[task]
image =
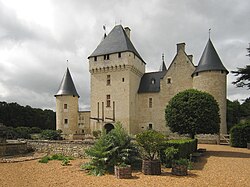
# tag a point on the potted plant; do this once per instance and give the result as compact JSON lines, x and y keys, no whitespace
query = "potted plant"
{"x":179,"y":167}
{"x":150,"y":143}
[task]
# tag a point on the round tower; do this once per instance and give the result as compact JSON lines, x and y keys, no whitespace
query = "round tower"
{"x":211,"y":76}
{"x":67,"y":107}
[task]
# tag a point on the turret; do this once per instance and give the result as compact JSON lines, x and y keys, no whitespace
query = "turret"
{"x":67,"y":106}
{"x":211,"y":76}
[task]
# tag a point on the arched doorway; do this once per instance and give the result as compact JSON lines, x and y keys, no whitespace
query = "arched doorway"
{"x":108,"y":127}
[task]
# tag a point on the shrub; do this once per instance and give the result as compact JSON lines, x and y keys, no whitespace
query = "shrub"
{"x":22,"y":132}
{"x":50,"y":135}
{"x":181,"y":162}
{"x":240,"y":135}
{"x":170,"y":154}
{"x":35,"y":130}
{"x":193,"y":112}
{"x":44,"y":159}
{"x":97,"y":133}
{"x":150,"y":142}
{"x":185,"y":147}
{"x":110,"y":149}
{"x":64,"y":159}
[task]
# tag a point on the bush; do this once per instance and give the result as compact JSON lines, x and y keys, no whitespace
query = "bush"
{"x":150,"y":142}
{"x":171,"y":154}
{"x":240,"y":135}
{"x":97,"y":133}
{"x":185,"y":147}
{"x":193,"y":112}
{"x":22,"y":132}
{"x":110,"y":149}
{"x":35,"y":130}
{"x":51,"y":135}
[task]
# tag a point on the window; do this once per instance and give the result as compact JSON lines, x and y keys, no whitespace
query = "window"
{"x":196,"y":74}
{"x":150,"y":126}
{"x":65,"y":106}
{"x":119,"y":55}
{"x":150,"y":102}
{"x":222,"y":71}
{"x":95,"y":58}
{"x":106,"y":57}
{"x":169,"y":80}
{"x":108,"y":80}
{"x":108,"y":101}
{"x":123,"y":79}
{"x":66,"y":121}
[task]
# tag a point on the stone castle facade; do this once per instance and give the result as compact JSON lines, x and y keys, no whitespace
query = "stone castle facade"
{"x":122,"y":91}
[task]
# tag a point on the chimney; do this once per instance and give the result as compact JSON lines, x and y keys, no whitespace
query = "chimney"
{"x":190,"y":57}
{"x":180,"y":46}
{"x":127,"y":30}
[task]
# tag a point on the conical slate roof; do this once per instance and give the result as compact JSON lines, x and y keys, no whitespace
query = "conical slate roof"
{"x":210,"y":60}
{"x":116,"y":41}
{"x":67,"y":86}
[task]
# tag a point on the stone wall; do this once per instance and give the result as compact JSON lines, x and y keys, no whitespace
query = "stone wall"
{"x":67,"y":148}
{"x":13,"y":148}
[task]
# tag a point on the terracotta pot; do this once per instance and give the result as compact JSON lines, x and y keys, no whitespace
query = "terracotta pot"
{"x":123,"y":172}
{"x":151,"y":167}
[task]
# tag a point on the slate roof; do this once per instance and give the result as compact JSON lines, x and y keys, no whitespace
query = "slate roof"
{"x":116,"y":41}
{"x":146,"y":85}
{"x":209,"y":60}
{"x":67,"y":86}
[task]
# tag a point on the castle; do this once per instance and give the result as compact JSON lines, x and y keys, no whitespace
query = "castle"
{"x":122,"y":91}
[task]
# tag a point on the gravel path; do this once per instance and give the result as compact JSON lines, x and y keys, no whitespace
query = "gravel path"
{"x":220,"y":166}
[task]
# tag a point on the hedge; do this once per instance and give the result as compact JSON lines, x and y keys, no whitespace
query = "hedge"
{"x":185,"y":148}
{"x":240,"y":135}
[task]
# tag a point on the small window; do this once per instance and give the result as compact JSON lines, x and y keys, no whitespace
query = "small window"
{"x":169,"y":80}
{"x":123,"y":79}
{"x":66,"y":121}
{"x":222,"y":71}
{"x":108,"y":101}
{"x":152,"y":81}
{"x":150,"y":126}
{"x":119,"y":55}
{"x":65,"y":106}
{"x":106,"y":57}
{"x":108,"y":80}
{"x":95,"y":58}
{"x":196,"y":74}
{"x":150,"y":102}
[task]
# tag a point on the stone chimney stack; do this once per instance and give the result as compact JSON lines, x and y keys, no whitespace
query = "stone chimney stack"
{"x":127,"y":30}
{"x":180,"y":46}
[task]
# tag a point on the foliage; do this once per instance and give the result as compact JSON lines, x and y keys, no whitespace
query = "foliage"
{"x":35,"y":130}
{"x":150,"y":142}
{"x":22,"y":132}
{"x":51,"y":134}
{"x":65,"y":159}
{"x":233,"y":113}
{"x":171,"y":154}
{"x":185,"y":147}
{"x":181,"y":162}
{"x":193,"y":112}
{"x":97,"y":133}
{"x":240,"y":135}
{"x":114,"y":148}
{"x":244,"y":77}
{"x":15,"y":115}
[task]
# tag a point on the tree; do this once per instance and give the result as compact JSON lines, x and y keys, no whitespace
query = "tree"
{"x":244,"y":75}
{"x":233,"y":113}
{"x":193,"y":112}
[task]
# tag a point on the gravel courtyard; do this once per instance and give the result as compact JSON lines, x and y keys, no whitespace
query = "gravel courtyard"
{"x":220,"y":166}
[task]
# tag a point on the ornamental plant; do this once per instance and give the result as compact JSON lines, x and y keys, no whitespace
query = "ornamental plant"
{"x":150,"y":143}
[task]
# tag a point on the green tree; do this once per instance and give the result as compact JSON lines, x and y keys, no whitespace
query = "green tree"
{"x":233,"y":113}
{"x":244,"y":75}
{"x":193,"y":112}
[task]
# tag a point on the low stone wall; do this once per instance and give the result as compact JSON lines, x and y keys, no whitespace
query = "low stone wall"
{"x":208,"y":138}
{"x":67,"y":148}
{"x":13,"y":148}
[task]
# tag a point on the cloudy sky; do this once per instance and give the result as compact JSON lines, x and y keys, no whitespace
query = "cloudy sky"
{"x":38,"y":37}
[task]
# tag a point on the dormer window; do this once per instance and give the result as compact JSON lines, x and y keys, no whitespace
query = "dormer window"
{"x":152,"y":81}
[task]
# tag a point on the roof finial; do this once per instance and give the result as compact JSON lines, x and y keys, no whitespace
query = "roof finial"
{"x":67,"y":63}
{"x":104,"y":28}
{"x":209,"y":32}
{"x":162,"y":57}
